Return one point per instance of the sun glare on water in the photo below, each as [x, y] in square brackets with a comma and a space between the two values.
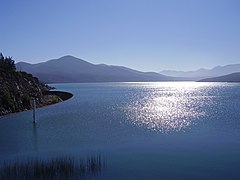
[166, 107]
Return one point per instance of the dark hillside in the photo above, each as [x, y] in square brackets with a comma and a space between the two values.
[17, 89]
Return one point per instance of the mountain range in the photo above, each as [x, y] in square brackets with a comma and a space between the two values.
[69, 69]
[204, 73]
[233, 77]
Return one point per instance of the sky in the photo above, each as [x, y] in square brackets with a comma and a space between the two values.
[147, 35]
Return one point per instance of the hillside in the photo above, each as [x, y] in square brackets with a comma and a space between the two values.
[205, 73]
[234, 77]
[69, 69]
[17, 89]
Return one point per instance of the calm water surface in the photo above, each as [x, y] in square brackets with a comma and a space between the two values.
[166, 130]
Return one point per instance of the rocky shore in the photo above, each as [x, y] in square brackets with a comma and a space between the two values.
[18, 89]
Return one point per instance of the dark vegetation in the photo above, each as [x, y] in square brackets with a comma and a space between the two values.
[55, 168]
[18, 88]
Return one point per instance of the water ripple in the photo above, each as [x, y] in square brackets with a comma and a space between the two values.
[173, 107]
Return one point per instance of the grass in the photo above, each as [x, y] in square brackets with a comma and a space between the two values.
[55, 168]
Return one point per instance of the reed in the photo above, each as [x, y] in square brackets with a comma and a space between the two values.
[53, 168]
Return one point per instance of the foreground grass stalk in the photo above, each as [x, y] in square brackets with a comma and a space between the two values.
[56, 168]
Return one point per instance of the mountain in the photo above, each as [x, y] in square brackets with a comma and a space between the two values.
[69, 69]
[234, 77]
[204, 73]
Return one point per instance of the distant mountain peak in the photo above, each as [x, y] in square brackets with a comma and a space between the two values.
[204, 73]
[67, 60]
[67, 56]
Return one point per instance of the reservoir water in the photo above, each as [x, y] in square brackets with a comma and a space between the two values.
[159, 130]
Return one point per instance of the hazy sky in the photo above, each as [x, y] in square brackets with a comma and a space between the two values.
[148, 35]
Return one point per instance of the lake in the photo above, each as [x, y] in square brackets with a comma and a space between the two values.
[157, 130]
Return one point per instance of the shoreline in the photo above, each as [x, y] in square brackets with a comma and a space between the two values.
[62, 95]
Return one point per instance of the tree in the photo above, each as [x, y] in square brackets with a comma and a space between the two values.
[10, 64]
[7, 64]
[1, 56]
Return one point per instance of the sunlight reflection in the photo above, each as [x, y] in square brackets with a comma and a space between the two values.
[167, 106]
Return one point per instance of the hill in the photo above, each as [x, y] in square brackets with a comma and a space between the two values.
[205, 73]
[69, 69]
[17, 89]
[234, 77]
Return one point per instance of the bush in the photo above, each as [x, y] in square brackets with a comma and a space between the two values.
[26, 102]
[6, 100]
